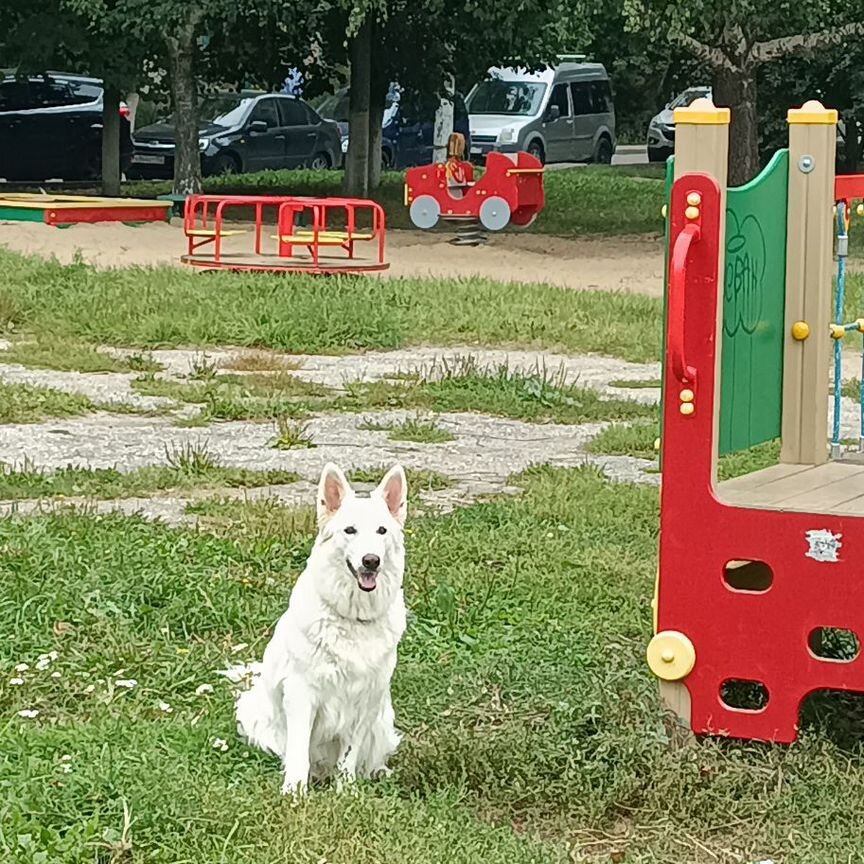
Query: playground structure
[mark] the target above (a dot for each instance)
(510, 192)
(759, 599)
(64, 210)
(313, 235)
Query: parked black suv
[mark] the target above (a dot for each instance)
(51, 127)
(240, 132)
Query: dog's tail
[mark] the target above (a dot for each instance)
(257, 713)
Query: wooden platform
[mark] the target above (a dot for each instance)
(835, 487)
(327, 264)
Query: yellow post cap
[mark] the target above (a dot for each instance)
(837, 331)
(687, 396)
(812, 113)
(800, 330)
(701, 112)
(671, 655)
(687, 409)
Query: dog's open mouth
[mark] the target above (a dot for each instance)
(367, 580)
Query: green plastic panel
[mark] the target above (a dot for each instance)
(754, 297)
(21, 214)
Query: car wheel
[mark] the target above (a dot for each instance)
(320, 162)
(224, 163)
(603, 152)
(535, 149)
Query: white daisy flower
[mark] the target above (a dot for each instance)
(16, 682)
(220, 744)
(28, 713)
(203, 689)
(65, 758)
(240, 646)
(21, 667)
(56, 675)
(126, 683)
(165, 707)
(43, 663)
(90, 688)
(66, 768)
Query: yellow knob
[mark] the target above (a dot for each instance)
(694, 198)
(692, 213)
(656, 443)
(837, 331)
(663, 211)
(687, 396)
(860, 209)
(800, 330)
(860, 323)
(671, 655)
(687, 408)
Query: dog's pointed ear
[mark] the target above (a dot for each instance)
(394, 490)
(333, 489)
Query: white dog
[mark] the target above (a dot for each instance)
(322, 701)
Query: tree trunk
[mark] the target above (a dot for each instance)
(111, 142)
(184, 95)
(359, 121)
(376, 140)
(443, 128)
(737, 91)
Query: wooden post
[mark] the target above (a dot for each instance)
(809, 250)
(702, 146)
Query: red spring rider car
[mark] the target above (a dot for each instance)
(510, 191)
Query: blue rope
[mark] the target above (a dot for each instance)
(838, 316)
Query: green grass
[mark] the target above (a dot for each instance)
(416, 429)
(462, 385)
(68, 356)
(851, 389)
(532, 728)
(292, 435)
(419, 479)
(24, 403)
(621, 439)
(189, 469)
(591, 200)
(163, 307)
(637, 383)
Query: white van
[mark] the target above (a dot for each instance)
(562, 114)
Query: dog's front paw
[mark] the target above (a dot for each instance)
(294, 788)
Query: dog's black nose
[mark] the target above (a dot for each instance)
(371, 562)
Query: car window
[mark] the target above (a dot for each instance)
(581, 92)
(601, 97)
(15, 96)
(293, 113)
(265, 110)
(312, 116)
(559, 98)
(507, 97)
(85, 91)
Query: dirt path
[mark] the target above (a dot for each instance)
(632, 264)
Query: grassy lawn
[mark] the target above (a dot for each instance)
(189, 468)
(532, 728)
(591, 200)
(163, 307)
(23, 403)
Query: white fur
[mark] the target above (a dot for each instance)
(322, 700)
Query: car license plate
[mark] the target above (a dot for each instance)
(476, 151)
(144, 159)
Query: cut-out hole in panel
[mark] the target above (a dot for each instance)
(742, 695)
(751, 576)
(833, 643)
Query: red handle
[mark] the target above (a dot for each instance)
(677, 283)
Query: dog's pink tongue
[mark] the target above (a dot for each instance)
(367, 580)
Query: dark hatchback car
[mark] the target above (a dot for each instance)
(407, 135)
(51, 128)
(244, 132)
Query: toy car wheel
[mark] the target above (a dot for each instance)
(523, 221)
(425, 212)
(494, 213)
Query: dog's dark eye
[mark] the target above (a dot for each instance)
(350, 530)
(382, 530)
